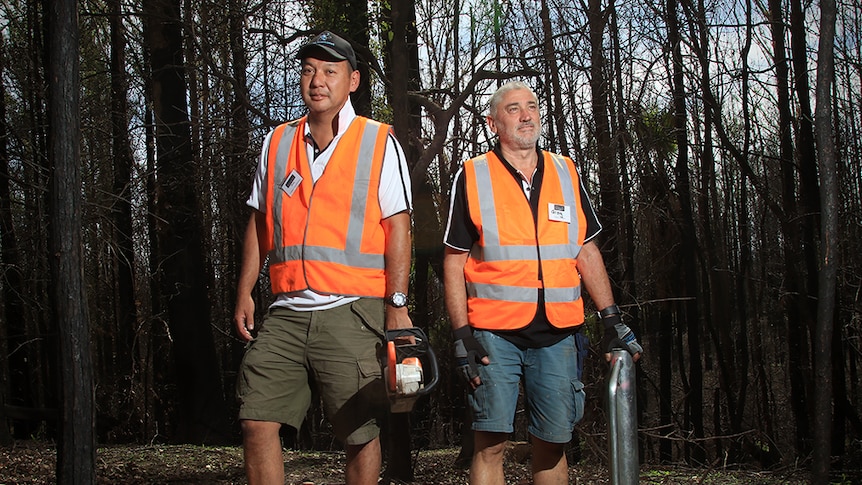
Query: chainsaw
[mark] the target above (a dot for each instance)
(409, 368)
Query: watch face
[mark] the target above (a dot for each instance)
(398, 300)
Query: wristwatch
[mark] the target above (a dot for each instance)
(396, 300)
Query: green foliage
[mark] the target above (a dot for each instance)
(382, 109)
(489, 15)
(655, 131)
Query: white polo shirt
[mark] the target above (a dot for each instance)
(394, 195)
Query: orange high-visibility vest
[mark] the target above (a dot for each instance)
(326, 236)
(502, 270)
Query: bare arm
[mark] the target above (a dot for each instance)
(252, 261)
(397, 262)
(595, 278)
(594, 275)
(455, 287)
(455, 293)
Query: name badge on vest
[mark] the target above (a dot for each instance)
(291, 183)
(559, 213)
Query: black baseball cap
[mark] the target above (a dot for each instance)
(333, 45)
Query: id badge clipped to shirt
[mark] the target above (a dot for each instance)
(559, 213)
(291, 183)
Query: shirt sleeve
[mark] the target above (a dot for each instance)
(594, 227)
(257, 198)
(460, 233)
(395, 192)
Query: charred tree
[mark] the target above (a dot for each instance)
(823, 335)
(76, 449)
(401, 60)
(689, 312)
(123, 261)
(799, 316)
(202, 414)
(13, 304)
(610, 195)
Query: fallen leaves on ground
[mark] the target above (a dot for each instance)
(33, 462)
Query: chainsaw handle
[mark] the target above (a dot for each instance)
(435, 376)
(390, 350)
(425, 353)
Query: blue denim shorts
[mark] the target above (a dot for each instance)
(553, 394)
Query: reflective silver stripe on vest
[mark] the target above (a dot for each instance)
(351, 255)
(330, 255)
(562, 295)
(282, 155)
(503, 293)
(494, 251)
(572, 249)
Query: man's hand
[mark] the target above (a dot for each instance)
(397, 318)
(619, 336)
(243, 317)
(469, 353)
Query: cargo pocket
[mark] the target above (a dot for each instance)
(242, 380)
(369, 368)
(372, 314)
(579, 397)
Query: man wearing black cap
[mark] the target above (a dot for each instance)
(332, 213)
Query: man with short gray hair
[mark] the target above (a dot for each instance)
(519, 248)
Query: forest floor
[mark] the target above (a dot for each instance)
(34, 463)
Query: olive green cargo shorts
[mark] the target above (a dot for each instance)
(338, 347)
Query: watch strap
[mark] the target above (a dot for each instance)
(610, 310)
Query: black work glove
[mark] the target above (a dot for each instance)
(468, 353)
(618, 335)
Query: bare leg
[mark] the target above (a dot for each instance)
(549, 463)
(264, 461)
(487, 467)
(363, 463)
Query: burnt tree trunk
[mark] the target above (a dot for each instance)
(827, 154)
(202, 414)
(690, 316)
(124, 257)
(610, 195)
(401, 58)
(76, 449)
(13, 304)
(798, 314)
(555, 109)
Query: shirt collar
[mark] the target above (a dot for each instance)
(345, 116)
(540, 166)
